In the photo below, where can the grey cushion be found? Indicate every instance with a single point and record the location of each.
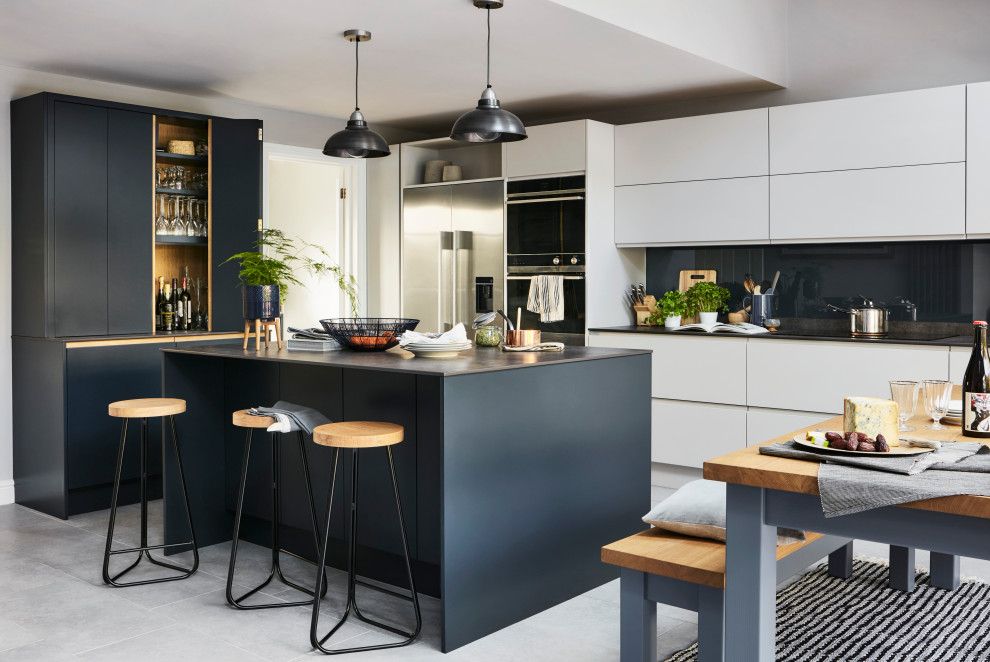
(698, 509)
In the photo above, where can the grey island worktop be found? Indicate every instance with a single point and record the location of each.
(501, 451)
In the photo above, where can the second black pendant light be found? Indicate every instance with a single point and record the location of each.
(488, 123)
(356, 140)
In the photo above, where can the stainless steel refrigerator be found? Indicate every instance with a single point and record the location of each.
(453, 253)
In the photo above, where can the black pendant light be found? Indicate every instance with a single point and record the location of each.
(488, 123)
(356, 141)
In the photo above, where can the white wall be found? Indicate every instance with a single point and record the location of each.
(281, 126)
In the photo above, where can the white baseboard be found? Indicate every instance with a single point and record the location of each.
(672, 476)
(6, 492)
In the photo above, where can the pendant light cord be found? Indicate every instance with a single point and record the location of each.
(488, 58)
(357, 42)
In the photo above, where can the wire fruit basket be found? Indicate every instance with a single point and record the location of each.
(368, 334)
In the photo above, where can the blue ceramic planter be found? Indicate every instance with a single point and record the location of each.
(261, 302)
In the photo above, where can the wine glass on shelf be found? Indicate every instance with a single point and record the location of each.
(176, 225)
(192, 227)
(161, 223)
(936, 393)
(905, 394)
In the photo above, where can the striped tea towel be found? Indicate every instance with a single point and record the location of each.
(546, 297)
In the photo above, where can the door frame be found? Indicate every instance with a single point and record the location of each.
(353, 226)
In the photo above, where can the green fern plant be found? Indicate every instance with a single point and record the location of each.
(283, 260)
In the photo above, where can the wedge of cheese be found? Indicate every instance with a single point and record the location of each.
(872, 416)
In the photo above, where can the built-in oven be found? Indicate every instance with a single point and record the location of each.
(545, 235)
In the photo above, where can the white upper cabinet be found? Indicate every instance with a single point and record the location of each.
(692, 148)
(905, 128)
(716, 211)
(550, 149)
(978, 160)
(899, 203)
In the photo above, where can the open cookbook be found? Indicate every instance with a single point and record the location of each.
(721, 327)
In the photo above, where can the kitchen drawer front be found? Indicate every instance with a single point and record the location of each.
(916, 201)
(978, 160)
(692, 213)
(766, 424)
(958, 360)
(549, 149)
(688, 433)
(692, 148)
(700, 369)
(817, 376)
(906, 128)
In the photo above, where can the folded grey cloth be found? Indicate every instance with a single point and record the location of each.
(300, 418)
(850, 484)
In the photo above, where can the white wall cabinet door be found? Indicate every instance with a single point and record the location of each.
(688, 433)
(817, 376)
(701, 369)
(909, 202)
(549, 149)
(766, 424)
(978, 160)
(692, 148)
(958, 360)
(904, 128)
(693, 213)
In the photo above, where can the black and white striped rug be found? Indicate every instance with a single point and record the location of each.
(824, 619)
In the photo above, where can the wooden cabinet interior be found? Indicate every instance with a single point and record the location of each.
(173, 254)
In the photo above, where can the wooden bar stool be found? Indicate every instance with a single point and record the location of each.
(242, 419)
(144, 408)
(358, 435)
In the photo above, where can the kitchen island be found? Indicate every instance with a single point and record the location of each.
(515, 468)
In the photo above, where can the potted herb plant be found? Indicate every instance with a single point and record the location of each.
(707, 299)
(265, 278)
(669, 309)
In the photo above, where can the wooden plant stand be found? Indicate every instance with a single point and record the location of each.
(258, 325)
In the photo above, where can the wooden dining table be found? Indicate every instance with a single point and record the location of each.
(764, 492)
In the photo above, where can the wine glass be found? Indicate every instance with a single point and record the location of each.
(177, 227)
(161, 223)
(937, 393)
(905, 394)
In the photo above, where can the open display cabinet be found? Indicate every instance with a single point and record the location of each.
(182, 216)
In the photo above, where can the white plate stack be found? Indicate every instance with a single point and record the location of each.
(436, 350)
(954, 413)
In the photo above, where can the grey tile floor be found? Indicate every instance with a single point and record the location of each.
(54, 607)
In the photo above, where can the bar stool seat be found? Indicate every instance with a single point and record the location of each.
(361, 436)
(242, 419)
(145, 408)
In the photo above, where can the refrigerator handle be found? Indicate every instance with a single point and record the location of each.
(463, 241)
(448, 284)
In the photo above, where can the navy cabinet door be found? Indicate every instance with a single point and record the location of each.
(130, 202)
(236, 175)
(80, 206)
(95, 377)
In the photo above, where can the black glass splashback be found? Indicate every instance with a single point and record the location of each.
(936, 281)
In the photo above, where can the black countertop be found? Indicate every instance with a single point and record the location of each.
(473, 361)
(897, 335)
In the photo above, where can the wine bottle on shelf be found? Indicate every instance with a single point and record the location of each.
(176, 308)
(976, 387)
(159, 326)
(167, 312)
(185, 305)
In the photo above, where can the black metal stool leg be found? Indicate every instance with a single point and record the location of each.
(352, 580)
(276, 548)
(144, 549)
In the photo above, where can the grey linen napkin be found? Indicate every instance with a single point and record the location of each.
(850, 484)
(300, 418)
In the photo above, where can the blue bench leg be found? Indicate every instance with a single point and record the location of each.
(711, 624)
(840, 562)
(945, 571)
(901, 568)
(637, 619)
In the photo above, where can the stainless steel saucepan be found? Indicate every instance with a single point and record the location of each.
(866, 320)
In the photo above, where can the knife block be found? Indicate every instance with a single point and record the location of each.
(644, 310)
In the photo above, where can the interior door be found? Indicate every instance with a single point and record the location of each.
(235, 203)
(427, 247)
(478, 246)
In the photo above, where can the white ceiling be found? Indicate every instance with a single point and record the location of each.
(423, 66)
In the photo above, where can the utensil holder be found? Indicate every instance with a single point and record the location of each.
(522, 338)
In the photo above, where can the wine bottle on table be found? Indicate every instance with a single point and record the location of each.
(976, 387)
(166, 309)
(185, 305)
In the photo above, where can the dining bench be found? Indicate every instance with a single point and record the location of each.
(658, 566)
